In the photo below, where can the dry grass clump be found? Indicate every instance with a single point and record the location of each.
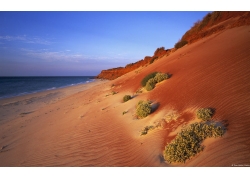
(146, 129)
(152, 79)
(188, 142)
(126, 98)
(204, 114)
(171, 116)
(124, 112)
(146, 78)
(113, 92)
(161, 77)
(143, 109)
(150, 84)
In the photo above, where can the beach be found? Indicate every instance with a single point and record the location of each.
(89, 125)
(81, 125)
(23, 116)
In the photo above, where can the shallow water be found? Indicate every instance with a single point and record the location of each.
(16, 86)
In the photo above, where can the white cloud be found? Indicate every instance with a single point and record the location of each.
(13, 38)
(25, 39)
(47, 55)
(68, 56)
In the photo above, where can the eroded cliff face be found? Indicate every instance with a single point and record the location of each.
(212, 23)
(114, 73)
(215, 22)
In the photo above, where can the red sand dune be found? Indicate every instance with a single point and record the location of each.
(89, 129)
(213, 72)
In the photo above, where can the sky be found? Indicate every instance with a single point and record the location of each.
(82, 43)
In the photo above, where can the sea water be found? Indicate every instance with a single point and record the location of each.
(17, 86)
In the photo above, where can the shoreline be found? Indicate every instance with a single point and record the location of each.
(78, 126)
(13, 106)
(43, 90)
(85, 127)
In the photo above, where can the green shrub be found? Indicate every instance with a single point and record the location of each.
(188, 142)
(143, 109)
(204, 114)
(126, 98)
(150, 84)
(180, 44)
(146, 129)
(160, 77)
(146, 78)
(150, 80)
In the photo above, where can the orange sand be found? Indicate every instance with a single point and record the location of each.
(86, 126)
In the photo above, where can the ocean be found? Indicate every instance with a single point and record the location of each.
(17, 86)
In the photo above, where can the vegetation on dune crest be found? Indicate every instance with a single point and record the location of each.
(159, 49)
(210, 25)
(210, 18)
(180, 44)
(143, 109)
(153, 59)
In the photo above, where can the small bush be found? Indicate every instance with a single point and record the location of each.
(150, 84)
(146, 129)
(204, 114)
(146, 78)
(124, 112)
(180, 44)
(143, 109)
(150, 80)
(160, 77)
(126, 98)
(188, 142)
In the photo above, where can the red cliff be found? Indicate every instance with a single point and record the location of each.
(117, 72)
(212, 23)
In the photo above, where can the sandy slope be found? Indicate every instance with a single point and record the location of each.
(88, 128)
(213, 72)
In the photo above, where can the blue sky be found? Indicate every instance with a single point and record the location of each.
(82, 43)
